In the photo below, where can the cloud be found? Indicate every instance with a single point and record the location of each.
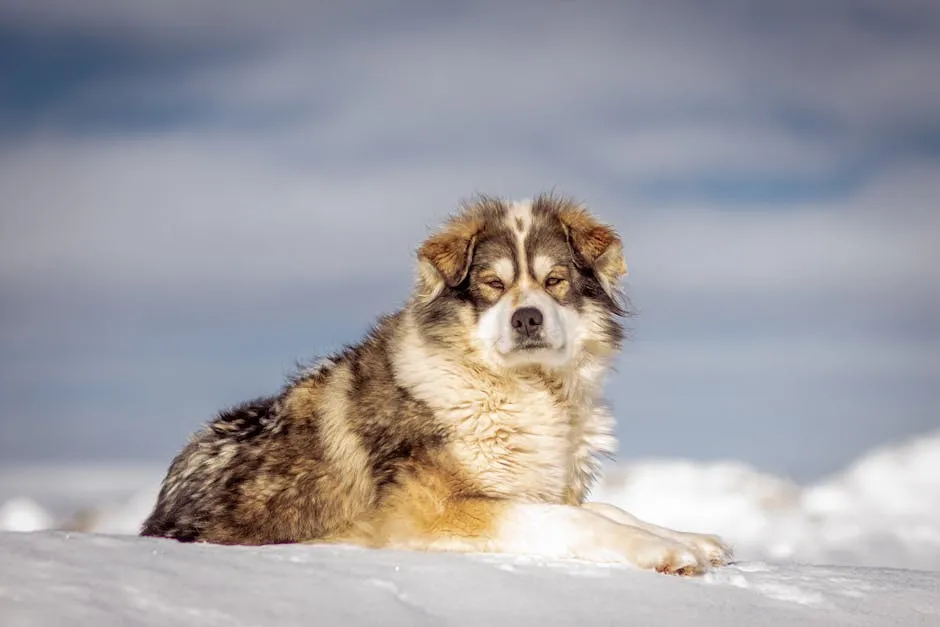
(858, 244)
(244, 191)
(148, 212)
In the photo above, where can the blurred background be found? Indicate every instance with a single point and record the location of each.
(196, 196)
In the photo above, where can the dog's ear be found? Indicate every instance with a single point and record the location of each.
(444, 258)
(595, 246)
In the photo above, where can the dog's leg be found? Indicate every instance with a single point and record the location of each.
(718, 552)
(565, 531)
(498, 526)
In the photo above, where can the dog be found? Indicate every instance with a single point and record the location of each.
(471, 420)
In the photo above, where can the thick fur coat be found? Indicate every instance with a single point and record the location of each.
(471, 420)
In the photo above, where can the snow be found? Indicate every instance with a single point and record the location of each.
(872, 531)
(52, 578)
(69, 491)
(23, 514)
(884, 510)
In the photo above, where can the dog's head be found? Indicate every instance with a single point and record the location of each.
(522, 283)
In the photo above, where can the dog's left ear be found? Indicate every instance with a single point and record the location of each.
(596, 246)
(444, 258)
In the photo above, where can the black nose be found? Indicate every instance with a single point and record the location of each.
(526, 321)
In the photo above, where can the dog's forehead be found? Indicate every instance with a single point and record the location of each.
(494, 252)
(516, 233)
(518, 236)
(547, 240)
(494, 247)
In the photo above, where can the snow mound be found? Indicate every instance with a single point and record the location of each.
(888, 502)
(76, 493)
(721, 497)
(23, 514)
(884, 510)
(900, 481)
(56, 578)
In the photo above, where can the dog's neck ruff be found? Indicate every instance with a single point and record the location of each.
(532, 435)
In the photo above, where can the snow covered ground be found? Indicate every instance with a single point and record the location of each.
(873, 532)
(50, 579)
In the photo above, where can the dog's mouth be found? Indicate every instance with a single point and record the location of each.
(532, 346)
(532, 353)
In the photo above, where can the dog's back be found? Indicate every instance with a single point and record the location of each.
(302, 465)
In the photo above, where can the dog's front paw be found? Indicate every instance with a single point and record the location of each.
(716, 550)
(669, 557)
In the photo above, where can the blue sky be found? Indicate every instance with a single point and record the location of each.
(196, 197)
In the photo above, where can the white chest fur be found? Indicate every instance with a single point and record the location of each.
(525, 444)
(515, 437)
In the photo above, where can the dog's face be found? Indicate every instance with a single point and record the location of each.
(524, 283)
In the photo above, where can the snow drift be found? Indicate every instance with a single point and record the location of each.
(883, 510)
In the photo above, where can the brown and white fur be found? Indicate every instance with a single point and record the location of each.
(471, 420)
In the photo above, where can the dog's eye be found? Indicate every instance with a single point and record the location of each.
(552, 281)
(496, 284)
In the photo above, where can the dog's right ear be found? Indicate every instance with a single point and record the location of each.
(444, 258)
